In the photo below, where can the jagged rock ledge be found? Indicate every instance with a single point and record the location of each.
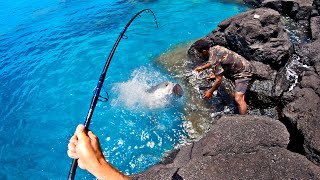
(285, 146)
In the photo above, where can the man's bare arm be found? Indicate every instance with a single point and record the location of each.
(201, 68)
(215, 86)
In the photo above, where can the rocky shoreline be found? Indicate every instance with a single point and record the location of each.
(279, 139)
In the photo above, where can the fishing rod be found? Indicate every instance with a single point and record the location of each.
(97, 89)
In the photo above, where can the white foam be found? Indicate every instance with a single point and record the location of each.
(293, 70)
(133, 93)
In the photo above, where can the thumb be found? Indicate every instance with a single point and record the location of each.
(81, 131)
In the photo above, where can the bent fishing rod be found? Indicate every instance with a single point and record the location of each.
(97, 89)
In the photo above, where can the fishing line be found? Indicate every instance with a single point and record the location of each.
(97, 89)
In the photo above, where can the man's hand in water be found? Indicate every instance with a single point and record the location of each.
(198, 69)
(211, 76)
(208, 94)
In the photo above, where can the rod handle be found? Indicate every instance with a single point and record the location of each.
(73, 169)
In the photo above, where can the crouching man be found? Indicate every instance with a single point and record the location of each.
(225, 62)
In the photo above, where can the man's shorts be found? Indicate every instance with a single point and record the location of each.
(242, 85)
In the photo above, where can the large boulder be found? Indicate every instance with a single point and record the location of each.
(299, 10)
(271, 163)
(237, 147)
(239, 134)
(257, 35)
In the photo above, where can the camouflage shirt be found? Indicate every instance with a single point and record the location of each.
(223, 60)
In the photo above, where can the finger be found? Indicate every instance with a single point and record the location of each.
(72, 155)
(72, 147)
(81, 132)
(81, 164)
(73, 139)
(94, 140)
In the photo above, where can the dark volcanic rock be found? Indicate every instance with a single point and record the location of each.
(156, 172)
(271, 163)
(299, 10)
(261, 87)
(238, 134)
(303, 112)
(302, 107)
(264, 71)
(311, 80)
(238, 147)
(257, 35)
(309, 53)
(315, 27)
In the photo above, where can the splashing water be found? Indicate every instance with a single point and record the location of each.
(134, 93)
(293, 69)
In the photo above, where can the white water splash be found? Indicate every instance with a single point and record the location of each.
(292, 70)
(134, 93)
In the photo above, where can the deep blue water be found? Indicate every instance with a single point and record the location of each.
(52, 53)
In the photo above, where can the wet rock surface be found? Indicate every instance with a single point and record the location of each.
(286, 87)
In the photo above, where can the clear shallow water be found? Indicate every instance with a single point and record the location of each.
(52, 54)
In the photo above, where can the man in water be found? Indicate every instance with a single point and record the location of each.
(226, 62)
(85, 147)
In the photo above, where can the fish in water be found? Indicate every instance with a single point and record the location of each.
(166, 88)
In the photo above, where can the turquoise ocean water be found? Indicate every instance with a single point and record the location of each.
(52, 53)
